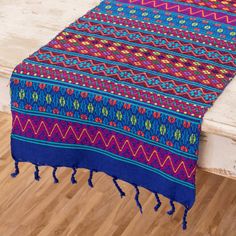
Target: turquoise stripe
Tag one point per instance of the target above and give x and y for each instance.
(156, 34)
(116, 157)
(143, 139)
(151, 107)
(152, 48)
(115, 63)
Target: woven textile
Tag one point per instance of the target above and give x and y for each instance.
(123, 90)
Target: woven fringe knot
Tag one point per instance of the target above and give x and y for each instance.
(73, 179)
(184, 224)
(17, 171)
(172, 210)
(137, 199)
(90, 183)
(54, 175)
(122, 193)
(158, 202)
(36, 173)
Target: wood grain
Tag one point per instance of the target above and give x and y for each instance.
(42, 208)
(30, 24)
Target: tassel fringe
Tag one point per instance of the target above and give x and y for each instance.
(90, 183)
(17, 171)
(54, 175)
(172, 210)
(122, 193)
(158, 202)
(73, 179)
(137, 199)
(36, 173)
(184, 224)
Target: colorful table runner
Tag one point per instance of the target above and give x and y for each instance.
(123, 90)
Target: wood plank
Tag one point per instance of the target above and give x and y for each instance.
(30, 24)
(42, 208)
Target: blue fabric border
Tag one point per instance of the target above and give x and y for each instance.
(61, 157)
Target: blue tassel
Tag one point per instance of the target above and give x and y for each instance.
(137, 199)
(73, 180)
(172, 210)
(36, 173)
(90, 183)
(158, 202)
(54, 175)
(185, 218)
(122, 193)
(17, 171)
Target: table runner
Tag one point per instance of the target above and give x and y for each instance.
(123, 90)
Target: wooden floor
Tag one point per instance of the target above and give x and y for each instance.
(42, 208)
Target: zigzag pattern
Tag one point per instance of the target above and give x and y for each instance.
(123, 90)
(183, 9)
(161, 42)
(97, 67)
(226, 5)
(99, 137)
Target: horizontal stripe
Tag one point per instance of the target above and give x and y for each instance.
(115, 63)
(182, 55)
(152, 20)
(141, 88)
(111, 155)
(157, 34)
(88, 122)
(117, 97)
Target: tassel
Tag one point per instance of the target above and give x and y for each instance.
(158, 202)
(17, 171)
(90, 183)
(54, 175)
(171, 212)
(122, 194)
(73, 180)
(185, 218)
(36, 173)
(137, 199)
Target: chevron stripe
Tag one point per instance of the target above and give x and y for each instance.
(105, 126)
(99, 137)
(226, 7)
(184, 9)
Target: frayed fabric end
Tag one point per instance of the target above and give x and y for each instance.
(73, 179)
(54, 175)
(17, 171)
(36, 173)
(122, 193)
(137, 199)
(158, 202)
(172, 210)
